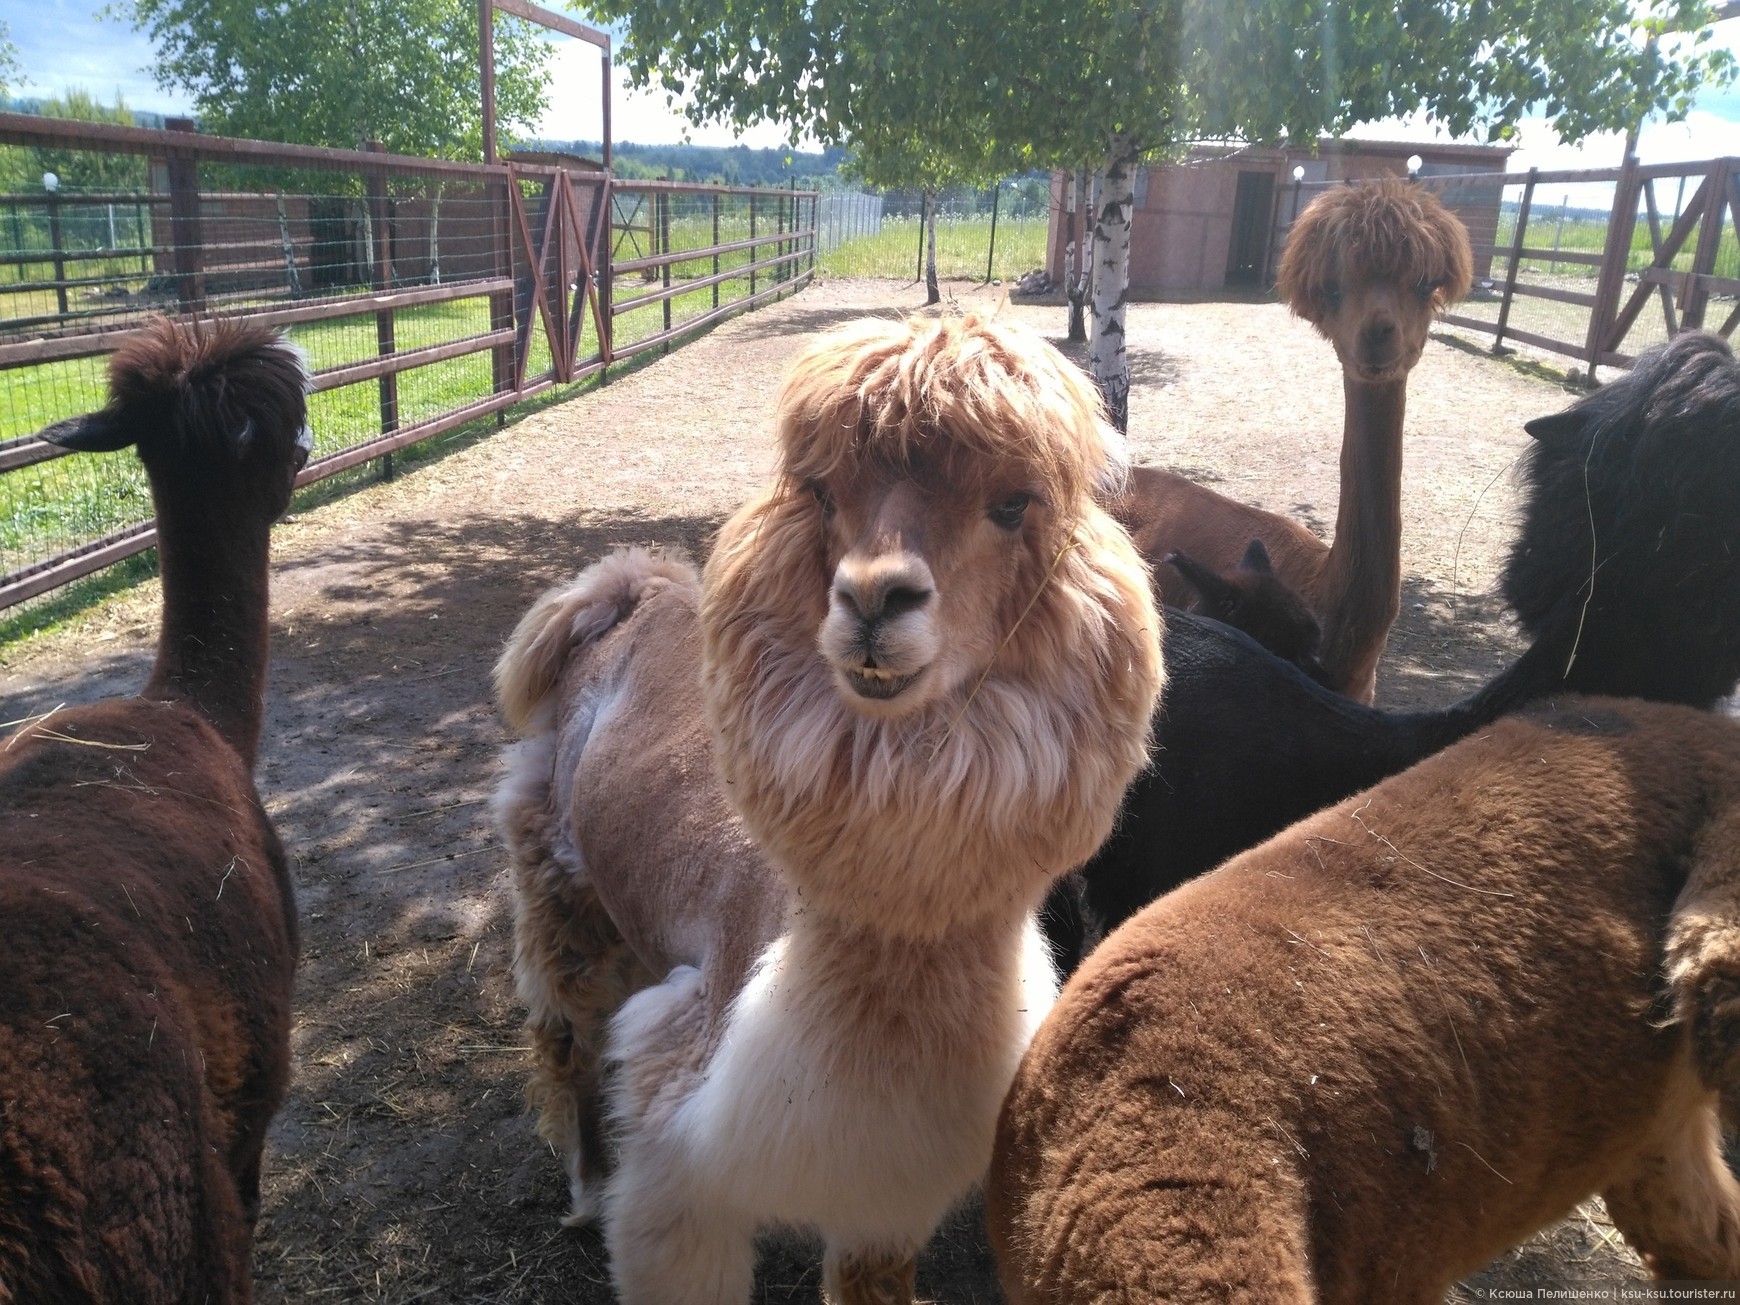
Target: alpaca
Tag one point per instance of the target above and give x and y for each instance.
(924, 661)
(1634, 486)
(1362, 1059)
(151, 932)
(1252, 598)
(1370, 266)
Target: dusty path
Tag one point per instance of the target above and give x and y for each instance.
(404, 1167)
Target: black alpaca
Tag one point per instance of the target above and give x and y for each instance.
(1626, 575)
(150, 951)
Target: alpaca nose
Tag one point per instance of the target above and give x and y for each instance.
(883, 589)
(1379, 333)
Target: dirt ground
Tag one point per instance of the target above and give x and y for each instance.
(404, 1166)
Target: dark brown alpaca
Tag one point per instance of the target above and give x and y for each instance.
(1360, 1060)
(1370, 266)
(151, 935)
(1252, 598)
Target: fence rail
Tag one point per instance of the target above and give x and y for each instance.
(1626, 257)
(426, 293)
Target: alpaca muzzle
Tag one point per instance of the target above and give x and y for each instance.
(879, 635)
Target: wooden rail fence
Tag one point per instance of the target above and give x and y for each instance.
(425, 261)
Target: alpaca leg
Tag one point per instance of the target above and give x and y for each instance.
(674, 1236)
(573, 971)
(869, 1277)
(1680, 1209)
(669, 1244)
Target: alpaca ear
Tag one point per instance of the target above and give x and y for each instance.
(1557, 428)
(1215, 591)
(95, 432)
(1256, 558)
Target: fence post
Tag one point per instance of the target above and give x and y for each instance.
(991, 254)
(1697, 294)
(1614, 257)
(1516, 247)
(715, 248)
(385, 343)
(754, 249)
(662, 205)
(923, 217)
(184, 225)
(55, 251)
(501, 303)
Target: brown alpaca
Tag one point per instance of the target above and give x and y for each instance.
(145, 980)
(923, 663)
(1360, 1060)
(1369, 265)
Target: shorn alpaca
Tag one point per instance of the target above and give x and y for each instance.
(929, 660)
(1357, 1062)
(145, 983)
(1370, 266)
(1635, 488)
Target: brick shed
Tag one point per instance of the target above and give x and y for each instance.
(1219, 218)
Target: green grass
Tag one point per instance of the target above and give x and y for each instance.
(53, 506)
(1547, 232)
(961, 249)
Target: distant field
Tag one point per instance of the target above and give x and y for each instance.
(961, 249)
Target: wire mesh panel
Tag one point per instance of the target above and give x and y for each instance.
(687, 253)
(982, 233)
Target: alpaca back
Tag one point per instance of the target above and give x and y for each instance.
(1393, 1000)
(1630, 540)
(168, 943)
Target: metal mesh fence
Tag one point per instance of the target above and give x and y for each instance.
(982, 233)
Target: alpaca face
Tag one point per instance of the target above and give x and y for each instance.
(1378, 327)
(1370, 266)
(929, 657)
(920, 583)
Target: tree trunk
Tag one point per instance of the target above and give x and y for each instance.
(932, 294)
(1075, 284)
(1107, 360)
(435, 235)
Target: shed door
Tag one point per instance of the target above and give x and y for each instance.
(1250, 228)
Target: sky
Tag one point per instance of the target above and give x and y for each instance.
(65, 43)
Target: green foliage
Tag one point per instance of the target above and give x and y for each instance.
(22, 167)
(1004, 85)
(344, 72)
(8, 61)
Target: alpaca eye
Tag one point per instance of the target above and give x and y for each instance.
(1009, 512)
(1426, 289)
(1332, 295)
(819, 492)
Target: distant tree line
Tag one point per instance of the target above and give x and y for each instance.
(734, 165)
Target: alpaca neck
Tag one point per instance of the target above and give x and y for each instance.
(1359, 589)
(975, 994)
(212, 648)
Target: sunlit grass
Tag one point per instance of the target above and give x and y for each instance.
(962, 247)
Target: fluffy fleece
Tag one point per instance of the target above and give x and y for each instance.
(1360, 1060)
(929, 661)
